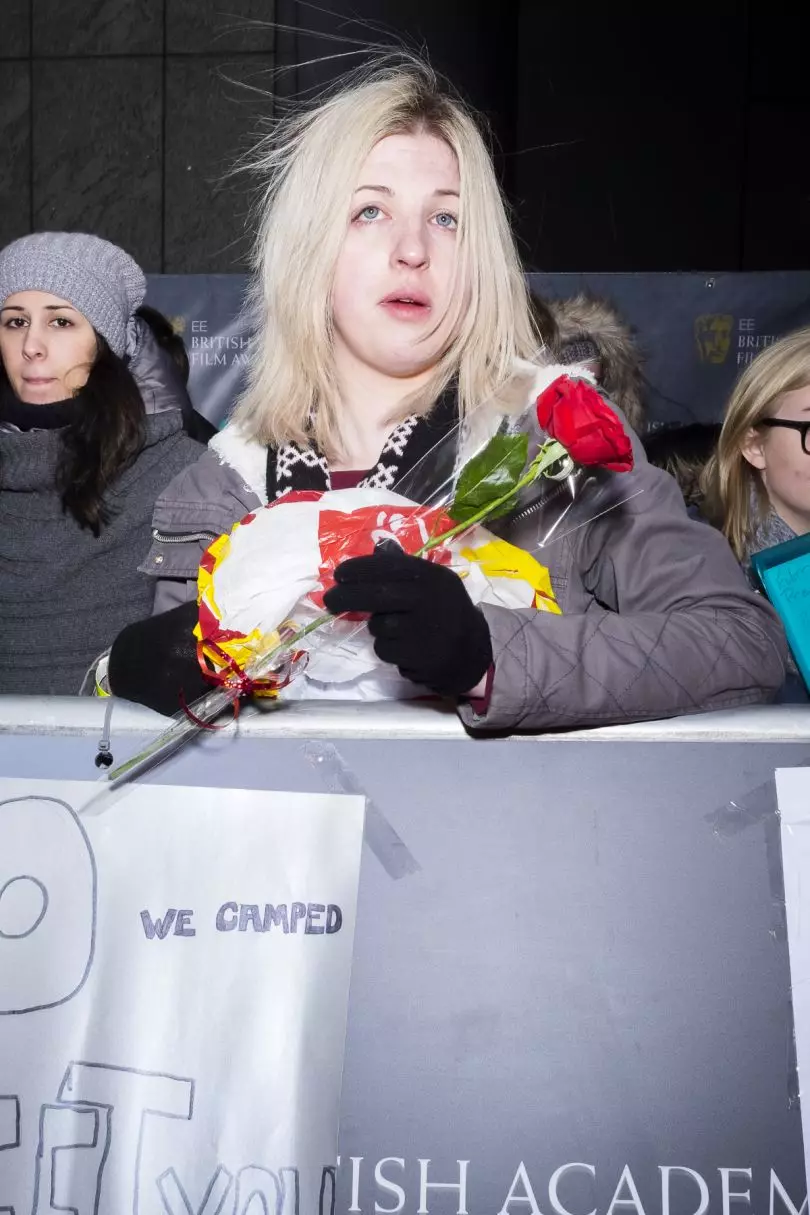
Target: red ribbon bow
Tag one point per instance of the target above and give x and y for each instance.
(233, 677)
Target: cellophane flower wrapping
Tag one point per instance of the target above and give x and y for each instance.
(565, 406)
(556, 467)
(266, 580)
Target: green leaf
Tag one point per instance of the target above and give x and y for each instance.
(491, 475)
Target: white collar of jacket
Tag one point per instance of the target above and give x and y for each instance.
(248, 457)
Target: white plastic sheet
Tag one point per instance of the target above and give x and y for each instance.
(174, 975)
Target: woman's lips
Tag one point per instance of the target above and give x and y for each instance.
(405, 307)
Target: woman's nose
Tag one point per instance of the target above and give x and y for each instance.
(33, 345)
(411, 247)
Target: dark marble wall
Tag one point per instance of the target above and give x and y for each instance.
(662, 143)
(125, 117)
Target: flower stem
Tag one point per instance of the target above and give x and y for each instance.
(264, 663)
(549, 454)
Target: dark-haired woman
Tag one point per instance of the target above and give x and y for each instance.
(83, 456)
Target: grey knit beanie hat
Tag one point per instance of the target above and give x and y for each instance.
(96, 277)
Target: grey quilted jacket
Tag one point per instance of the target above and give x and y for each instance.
(657, 617)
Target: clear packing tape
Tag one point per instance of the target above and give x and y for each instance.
(337, 777)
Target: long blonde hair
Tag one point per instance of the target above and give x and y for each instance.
(309, 165)
(736, 499)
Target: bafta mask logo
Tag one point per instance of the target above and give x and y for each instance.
(713, 337)
(178, 324)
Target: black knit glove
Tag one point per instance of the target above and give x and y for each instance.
(421, 616)
(153, 660)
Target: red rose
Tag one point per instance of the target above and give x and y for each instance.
(573, 413)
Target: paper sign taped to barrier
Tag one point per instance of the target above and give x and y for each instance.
(174, 977)
(793, 795)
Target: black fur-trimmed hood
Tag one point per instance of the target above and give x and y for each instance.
(587, 316)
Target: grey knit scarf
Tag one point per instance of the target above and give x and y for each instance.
(771, 530)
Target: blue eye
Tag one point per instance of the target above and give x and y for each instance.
(445, 220)
(364, 214)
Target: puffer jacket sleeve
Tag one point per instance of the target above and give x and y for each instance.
(202, 502)
(672, 627)
(158, 378)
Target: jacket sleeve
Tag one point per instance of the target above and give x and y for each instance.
(159, 381)
(202, 502)
(171, 592)
(672, 626)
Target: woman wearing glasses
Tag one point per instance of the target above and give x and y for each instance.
(758, 483)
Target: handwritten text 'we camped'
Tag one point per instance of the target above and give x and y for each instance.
(310, 919)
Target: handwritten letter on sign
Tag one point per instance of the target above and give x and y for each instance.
(174, 976)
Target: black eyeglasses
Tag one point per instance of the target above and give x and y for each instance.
(802, 427)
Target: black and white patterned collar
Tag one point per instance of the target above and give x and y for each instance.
(291, 467)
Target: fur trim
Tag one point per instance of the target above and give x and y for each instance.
(589, 316)
(245, 456)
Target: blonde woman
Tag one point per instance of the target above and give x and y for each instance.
(389, 302)
(758, 484)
